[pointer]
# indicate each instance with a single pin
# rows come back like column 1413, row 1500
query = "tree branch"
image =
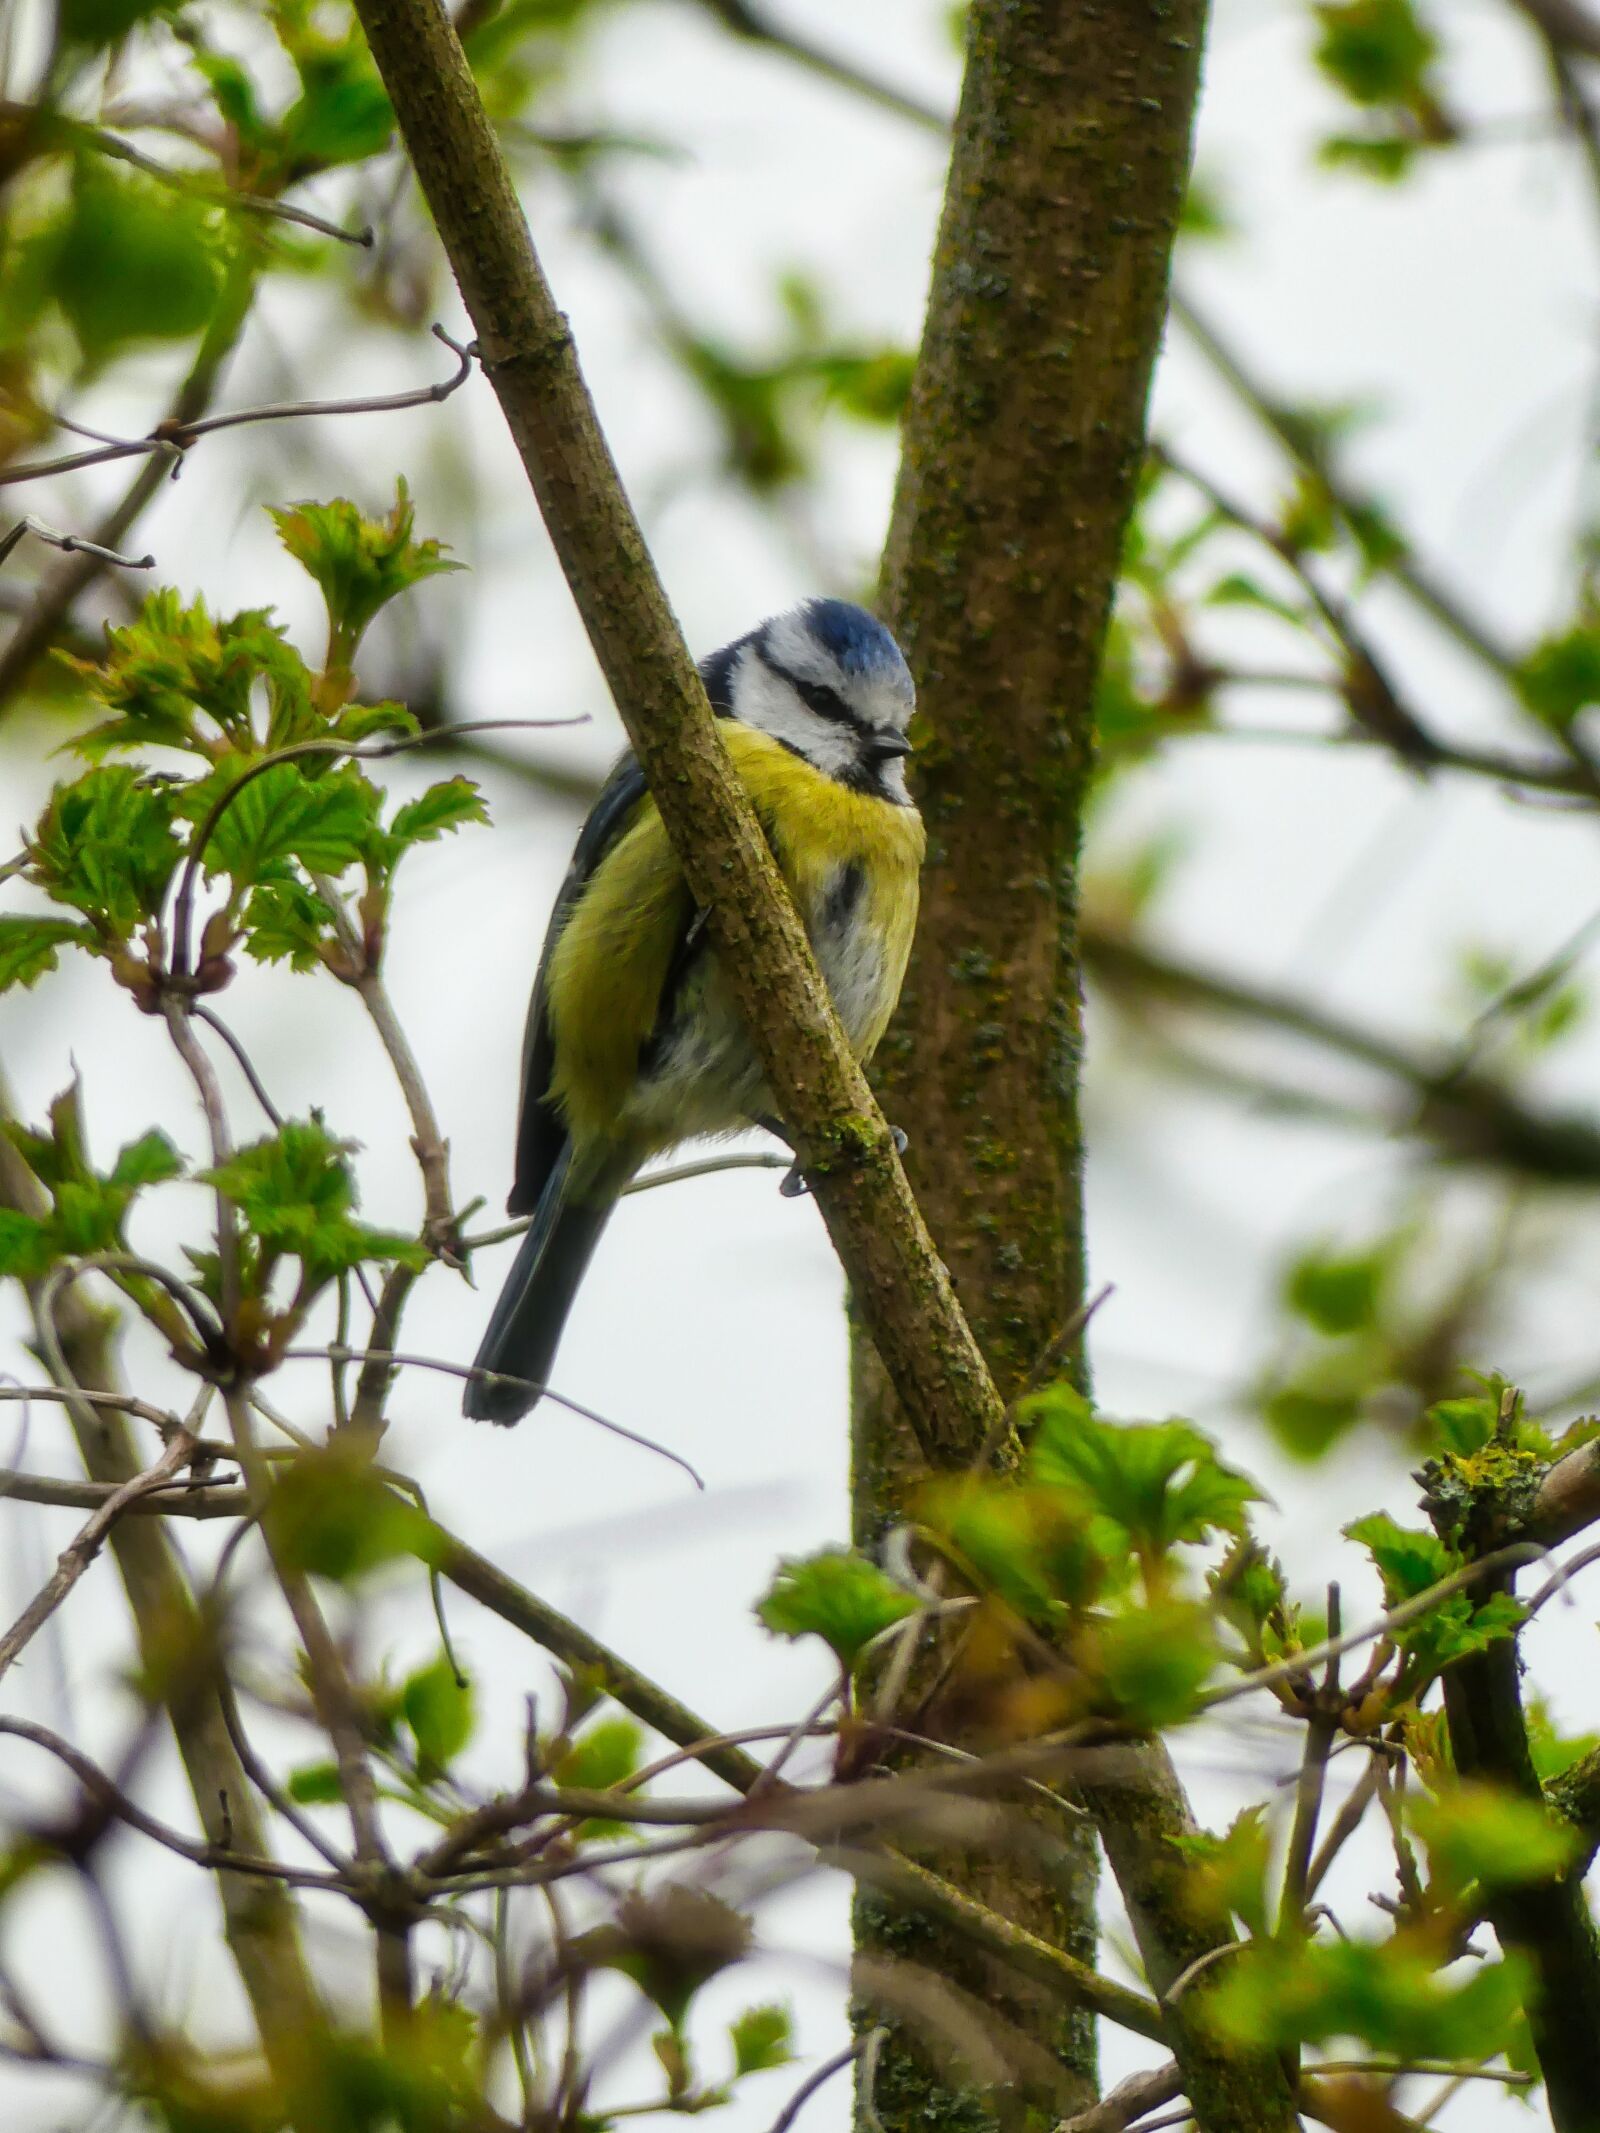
column 1467, row 1115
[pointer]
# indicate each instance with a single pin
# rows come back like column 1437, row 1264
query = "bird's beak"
column 889, row 743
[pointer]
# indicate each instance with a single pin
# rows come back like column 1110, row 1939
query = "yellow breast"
column 608, row 969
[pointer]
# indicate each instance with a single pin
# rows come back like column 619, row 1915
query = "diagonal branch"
column 526, row 348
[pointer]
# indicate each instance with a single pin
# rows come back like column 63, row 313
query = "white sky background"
column 1464, row 303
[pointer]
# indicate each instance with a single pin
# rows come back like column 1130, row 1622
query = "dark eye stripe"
column 816, row 696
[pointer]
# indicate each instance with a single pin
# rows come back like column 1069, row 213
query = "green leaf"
column 762, row 2037
column 285, row 922
column 322, row 823
column 101, row 22
column 1031, row 1546
column 439, row 1710
column 1158, row 1484
column 29, row 947
column 1391, row 1994
column 1228, row 1877
column 316, row 1785
column 1479, row 1836
column 1463, row 1426
column 1339, row 1293
column 174, row 666
column 150, row 1160
column 603, row 1757
column 135, row 261
column 1561, row 677
column 448, row 806
column 297, row 1194
column 359, row 563
column 25, row 1247
column 1378, row 51
column 841, row 1598
column 328, row 1513
column 1150, row 1664
column 1407, row 1559
column 342, row 114
column 1386, row 158
column 105, row 845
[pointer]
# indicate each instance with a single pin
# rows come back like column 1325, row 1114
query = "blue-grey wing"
column 540, row 1132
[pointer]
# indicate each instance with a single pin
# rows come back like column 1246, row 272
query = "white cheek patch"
column 761, row 699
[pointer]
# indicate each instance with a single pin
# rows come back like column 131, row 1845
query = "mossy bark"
column 1022, row 446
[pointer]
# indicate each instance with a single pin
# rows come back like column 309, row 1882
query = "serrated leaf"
column 445, row 807
column 29, row 947
column 762, row 2037
column 149, row 1160
column 1158, row 1484
column 841, row 1598
column 296, row 1191
column 1407, row 1559
column 285, row 922
column 359, row 563
column 106, row 846
column 322, row 823
column 179, row 677
column 439, row 1710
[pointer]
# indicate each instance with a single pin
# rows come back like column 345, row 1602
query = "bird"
column 633, row 1042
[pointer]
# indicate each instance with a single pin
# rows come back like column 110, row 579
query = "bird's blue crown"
column 857, row 640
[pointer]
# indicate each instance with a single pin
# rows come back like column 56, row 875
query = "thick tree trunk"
column 1022, row 446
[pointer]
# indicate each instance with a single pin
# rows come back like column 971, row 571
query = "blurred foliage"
column 1112, row 1582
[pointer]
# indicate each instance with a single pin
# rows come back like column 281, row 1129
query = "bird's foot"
column 795, row 1186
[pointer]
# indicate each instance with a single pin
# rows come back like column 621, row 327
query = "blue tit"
column 634, row 1042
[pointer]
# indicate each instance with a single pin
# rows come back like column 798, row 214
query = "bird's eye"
column 815, row 695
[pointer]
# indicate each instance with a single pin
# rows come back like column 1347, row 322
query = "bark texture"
column 1022, row 446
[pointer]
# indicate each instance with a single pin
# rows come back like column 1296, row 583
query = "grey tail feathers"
column 526, row 1324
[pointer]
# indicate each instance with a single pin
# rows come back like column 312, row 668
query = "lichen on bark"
column 1022, row 444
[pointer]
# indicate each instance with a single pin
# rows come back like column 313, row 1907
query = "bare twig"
column 173, row 436
column 815, row 2080
column 1130, row 2099
column 471, row 1372
column 196, row 182
column 80, row 1552
column 71, row 544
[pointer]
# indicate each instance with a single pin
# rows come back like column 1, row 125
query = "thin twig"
column 196, row 182
column 814, row 2081
column 81, row 1551
column 71, row 544
column 172, row 436
column 471, row 1373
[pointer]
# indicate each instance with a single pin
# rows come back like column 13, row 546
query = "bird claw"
column 794, row 1185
